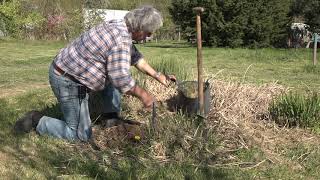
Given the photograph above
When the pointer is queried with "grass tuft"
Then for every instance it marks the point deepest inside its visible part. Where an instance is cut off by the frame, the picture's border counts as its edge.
(294, 109)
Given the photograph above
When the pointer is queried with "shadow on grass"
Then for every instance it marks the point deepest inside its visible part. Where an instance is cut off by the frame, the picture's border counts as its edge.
(42, 156)
(33, 156)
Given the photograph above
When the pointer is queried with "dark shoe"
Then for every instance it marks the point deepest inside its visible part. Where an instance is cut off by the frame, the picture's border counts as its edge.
(105, 116)
(111, 115)
(113, 119)
(111, 122)
(109, 119)
(29, 121)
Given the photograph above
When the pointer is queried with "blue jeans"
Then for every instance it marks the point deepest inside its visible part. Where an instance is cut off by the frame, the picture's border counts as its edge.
(73, 99)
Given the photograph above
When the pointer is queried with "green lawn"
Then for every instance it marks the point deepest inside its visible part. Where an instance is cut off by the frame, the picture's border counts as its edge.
(25, 62)
(24, 86)
(289, 67)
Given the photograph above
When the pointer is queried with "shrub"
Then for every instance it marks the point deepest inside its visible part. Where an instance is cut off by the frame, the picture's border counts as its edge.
(296, 110)
(73, 25)
(19, 19)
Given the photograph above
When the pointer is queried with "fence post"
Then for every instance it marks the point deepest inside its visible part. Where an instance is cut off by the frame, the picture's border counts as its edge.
(315, 49)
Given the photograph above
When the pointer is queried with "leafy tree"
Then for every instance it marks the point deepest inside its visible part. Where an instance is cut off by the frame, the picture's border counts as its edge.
(267, 23)
(183, 15)
(312, 15)
(281, 21)
(297, 7)
(19, 18)
(306, 11)
(233, 23)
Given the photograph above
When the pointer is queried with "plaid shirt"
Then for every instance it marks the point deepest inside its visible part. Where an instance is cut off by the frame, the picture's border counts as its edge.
(101, 56)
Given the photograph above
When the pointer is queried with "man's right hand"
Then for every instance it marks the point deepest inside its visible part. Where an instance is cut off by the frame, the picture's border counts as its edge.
(143, 95)
(147, 101)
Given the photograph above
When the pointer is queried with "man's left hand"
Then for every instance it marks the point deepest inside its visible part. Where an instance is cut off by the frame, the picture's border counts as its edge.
(166, 79)
(171, 78)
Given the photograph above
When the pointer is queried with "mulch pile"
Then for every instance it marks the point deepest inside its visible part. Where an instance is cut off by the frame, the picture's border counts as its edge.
(239, 118)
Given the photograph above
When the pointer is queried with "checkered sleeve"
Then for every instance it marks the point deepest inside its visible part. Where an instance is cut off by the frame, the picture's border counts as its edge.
(118, 67)
(136, 56)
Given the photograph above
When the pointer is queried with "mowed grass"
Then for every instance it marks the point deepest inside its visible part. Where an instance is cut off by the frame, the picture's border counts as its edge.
(289, 67)
(24, 86)
(24, 62)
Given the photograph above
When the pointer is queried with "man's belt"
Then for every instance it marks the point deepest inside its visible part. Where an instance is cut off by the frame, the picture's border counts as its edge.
(65, 74)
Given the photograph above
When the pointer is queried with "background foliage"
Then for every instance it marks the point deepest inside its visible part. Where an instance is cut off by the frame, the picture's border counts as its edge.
(18, 18)
(232, 23)
(226, 23)
(308, 11)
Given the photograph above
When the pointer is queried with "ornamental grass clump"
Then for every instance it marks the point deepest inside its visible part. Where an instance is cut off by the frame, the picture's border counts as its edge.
(293, 109)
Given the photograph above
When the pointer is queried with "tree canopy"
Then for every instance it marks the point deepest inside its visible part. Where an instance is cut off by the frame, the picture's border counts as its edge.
(232, 23)
(225, 23)
(307, 11)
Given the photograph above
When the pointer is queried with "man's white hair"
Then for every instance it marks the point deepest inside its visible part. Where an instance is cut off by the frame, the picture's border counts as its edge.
(146, 19)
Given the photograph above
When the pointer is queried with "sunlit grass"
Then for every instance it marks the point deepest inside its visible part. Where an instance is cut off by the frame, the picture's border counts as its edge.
(24, 66)
(285, 66)
(294, 110)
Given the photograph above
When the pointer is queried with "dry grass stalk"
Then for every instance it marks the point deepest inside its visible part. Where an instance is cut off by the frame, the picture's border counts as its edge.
(110, 137)
(234, 105)
(239, 116)
(158, 151)
(239, 113)
(117, 135)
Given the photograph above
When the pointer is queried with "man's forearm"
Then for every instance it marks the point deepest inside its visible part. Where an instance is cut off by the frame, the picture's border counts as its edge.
(136, 91)
(144, 67)
(141, 94)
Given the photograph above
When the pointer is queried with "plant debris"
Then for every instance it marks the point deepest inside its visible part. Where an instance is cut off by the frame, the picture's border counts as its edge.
(238, 117)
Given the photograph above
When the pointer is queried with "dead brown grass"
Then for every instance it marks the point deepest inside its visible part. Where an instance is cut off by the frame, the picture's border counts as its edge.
(236, 107)
(239, 116)
(115, 136)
